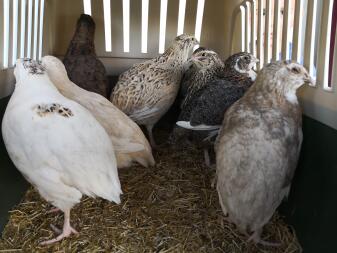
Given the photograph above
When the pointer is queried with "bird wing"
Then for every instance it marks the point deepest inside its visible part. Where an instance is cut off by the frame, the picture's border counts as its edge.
(212, 101)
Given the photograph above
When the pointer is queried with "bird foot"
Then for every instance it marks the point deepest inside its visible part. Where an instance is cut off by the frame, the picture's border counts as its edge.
(53, 210)
(213, 182)
(255, 237)
(67, 231)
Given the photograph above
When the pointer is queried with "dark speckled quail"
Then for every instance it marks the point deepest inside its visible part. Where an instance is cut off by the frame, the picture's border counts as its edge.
(258, 147)
(205, 109)
(82, 65)
(206, 106)
(206, 67)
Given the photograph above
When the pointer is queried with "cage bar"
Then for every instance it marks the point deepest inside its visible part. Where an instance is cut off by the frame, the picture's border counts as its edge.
(145, 24)
(181, 17)
(260, 34)
(162, 25)
(267, 33)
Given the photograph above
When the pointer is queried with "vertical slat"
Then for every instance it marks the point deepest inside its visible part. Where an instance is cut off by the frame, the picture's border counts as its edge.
(41, 29)
(162, 25)
(181, 17)
(285, 31)
(1, 33)
(260, 34)
(23, 29)
(243, 28)
(107, 24)
(298, 24)
(6, 33)
(267, 33)
(324, 53)
(310, 36)
(276, 30)
(253, 28)
(87, 7)
(145, 24)
(126, 25)
(15, 31)
(198, 21)
(29, 27)
(36, 22)
(247, 26)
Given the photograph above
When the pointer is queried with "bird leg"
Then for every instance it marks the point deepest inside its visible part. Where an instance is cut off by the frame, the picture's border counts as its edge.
(256, 238)
(208, 159)
(149, 131)
(66, 231)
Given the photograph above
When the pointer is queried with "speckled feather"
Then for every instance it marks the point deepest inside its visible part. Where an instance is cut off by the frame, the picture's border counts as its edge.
(201, 73)
(146, 91)
(258, 147)
(81, 62)
(210, 103)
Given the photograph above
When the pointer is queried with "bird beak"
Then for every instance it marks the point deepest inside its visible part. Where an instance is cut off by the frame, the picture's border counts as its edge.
(310, 81)
(256, 60)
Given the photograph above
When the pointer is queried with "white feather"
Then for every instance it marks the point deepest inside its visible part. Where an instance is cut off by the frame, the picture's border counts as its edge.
(187, 125)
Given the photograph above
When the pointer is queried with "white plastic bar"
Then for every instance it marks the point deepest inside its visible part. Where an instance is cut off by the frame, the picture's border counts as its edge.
(267, 33)
(253, 28)
(6, 33)
(298, 26)
(36, 22)
(260, 34)
(285, 30)
(326, 37)
(15, 31)
(310, 37)
(107, 24)
(181, 17)
(247, 26)
(198, 22)
(126, 25)
(276, 34)
(23, 28)
(162, 25)
(145, 25)
(243, 27)
(29, 27)
(41, 29)
(87, 7)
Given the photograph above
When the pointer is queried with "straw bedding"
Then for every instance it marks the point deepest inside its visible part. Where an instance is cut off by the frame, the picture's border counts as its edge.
(171, 207)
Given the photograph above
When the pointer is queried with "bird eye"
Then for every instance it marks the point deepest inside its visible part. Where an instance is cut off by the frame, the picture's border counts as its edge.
(203, 54)
(246, 58)
(295, 70)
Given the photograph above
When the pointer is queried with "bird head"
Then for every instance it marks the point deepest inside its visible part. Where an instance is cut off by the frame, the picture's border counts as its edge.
(55, 69)
(186, 40)
(284, 77)
(85, 27)
(206, 58)
(181, 48)
(293, 74)
(27, 67)
(242, 63)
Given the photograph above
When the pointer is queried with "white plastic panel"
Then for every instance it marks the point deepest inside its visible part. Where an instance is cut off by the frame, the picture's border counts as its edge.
(298, 30)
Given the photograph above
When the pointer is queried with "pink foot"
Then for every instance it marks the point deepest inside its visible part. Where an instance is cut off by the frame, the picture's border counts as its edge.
(255, 237)
(67, 230)
(66, 233)
(53, 210)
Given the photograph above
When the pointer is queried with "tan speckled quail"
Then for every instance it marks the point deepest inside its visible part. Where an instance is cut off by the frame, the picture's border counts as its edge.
(146, 91)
